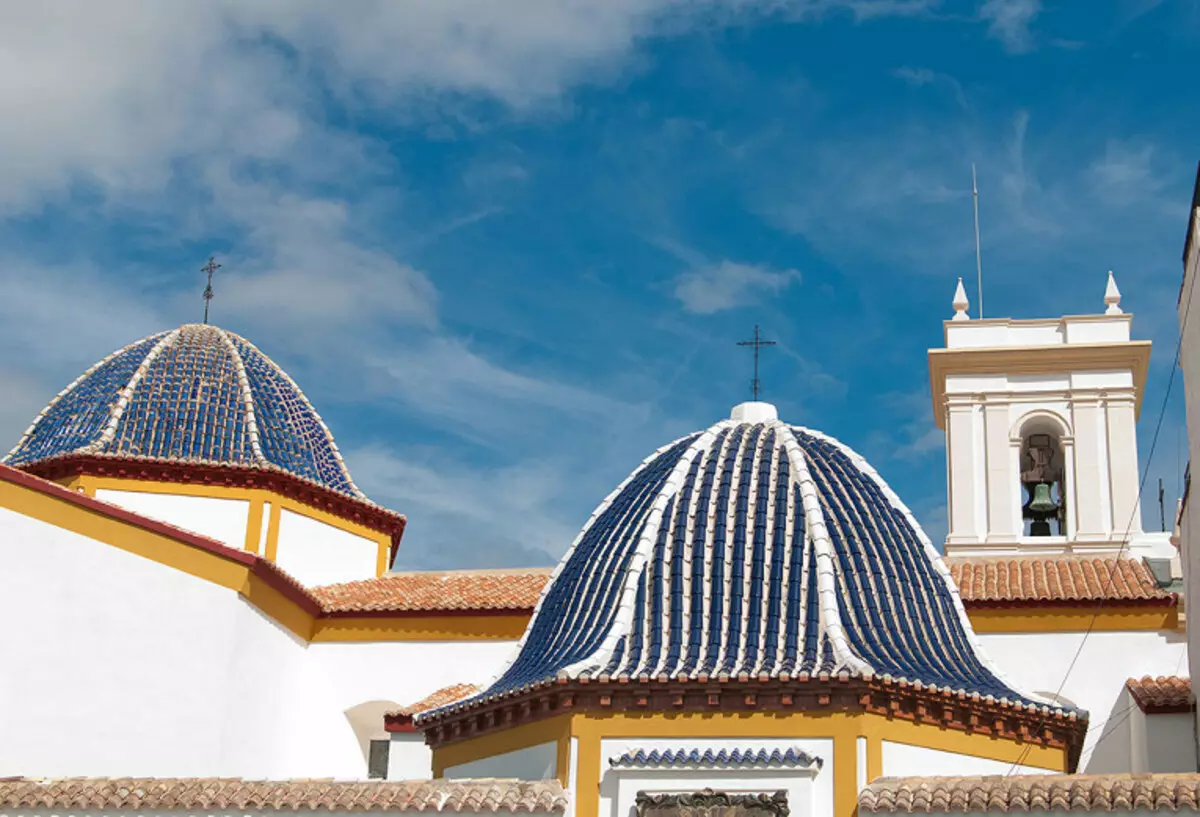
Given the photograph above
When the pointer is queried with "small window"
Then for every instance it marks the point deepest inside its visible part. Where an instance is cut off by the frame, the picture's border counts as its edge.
(377, 762)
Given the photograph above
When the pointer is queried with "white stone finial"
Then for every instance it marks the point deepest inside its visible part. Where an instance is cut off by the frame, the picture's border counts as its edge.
(961, 303)
(1112, 297)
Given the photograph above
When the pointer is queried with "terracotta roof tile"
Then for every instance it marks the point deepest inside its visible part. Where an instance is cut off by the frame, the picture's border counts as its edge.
(441, 697)
(1025, 793)
(516, 590)
(1054, 579)
(211, 795)
(1162, 694)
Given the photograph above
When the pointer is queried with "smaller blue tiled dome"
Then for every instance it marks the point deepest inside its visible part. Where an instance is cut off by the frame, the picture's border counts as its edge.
(197, 394)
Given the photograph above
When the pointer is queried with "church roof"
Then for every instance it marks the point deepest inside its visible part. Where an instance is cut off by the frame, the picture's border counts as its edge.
(790, 757)
(753, 550)
(501, 591)
(1055, 580)
(198, 395)
(1162, 695)
(1032, 793)
(214, 795)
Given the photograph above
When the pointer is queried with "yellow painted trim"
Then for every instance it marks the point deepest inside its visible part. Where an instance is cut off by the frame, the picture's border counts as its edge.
(420, 628)
(278, 606)
(381, 557)
(150, 545)
(1067, 357)
(272, 545)
(874, 759)
(1109, 618)
(841, 727)
(551, 730)
(254, 524)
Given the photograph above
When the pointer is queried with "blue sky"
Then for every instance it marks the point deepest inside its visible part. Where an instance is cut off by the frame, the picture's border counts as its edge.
(508, 249)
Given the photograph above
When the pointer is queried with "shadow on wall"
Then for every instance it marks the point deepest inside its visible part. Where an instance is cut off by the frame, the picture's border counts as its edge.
(1111, 751)
(366, 719)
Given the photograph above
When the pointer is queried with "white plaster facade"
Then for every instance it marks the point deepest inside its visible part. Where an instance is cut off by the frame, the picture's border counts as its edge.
(222, 519)
(810, 789)
(317, 553)
(903, 760)
(312, 551)
(1078, 379)
(125, 667)
(1095, 682)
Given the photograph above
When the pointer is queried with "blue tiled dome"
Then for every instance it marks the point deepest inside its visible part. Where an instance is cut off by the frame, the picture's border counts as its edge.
(754, 549)
(197, 394)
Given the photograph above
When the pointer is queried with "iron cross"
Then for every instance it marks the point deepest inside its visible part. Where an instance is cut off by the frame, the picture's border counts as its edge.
(757, 343)
(211, 267)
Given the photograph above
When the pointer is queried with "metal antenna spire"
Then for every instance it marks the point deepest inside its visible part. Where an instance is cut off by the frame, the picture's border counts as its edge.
(757, 343)
(211, 267)
(978, 259)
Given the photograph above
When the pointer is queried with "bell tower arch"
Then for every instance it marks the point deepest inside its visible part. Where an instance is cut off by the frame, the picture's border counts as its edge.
(1040, 421)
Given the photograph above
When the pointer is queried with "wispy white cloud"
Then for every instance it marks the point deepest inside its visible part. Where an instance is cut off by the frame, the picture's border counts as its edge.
(1009, 21)
(922, 77)
(465, 515)
(727, 284)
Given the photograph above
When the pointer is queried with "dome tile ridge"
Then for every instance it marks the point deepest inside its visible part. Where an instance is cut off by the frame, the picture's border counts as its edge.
(209, 416)
(70, 388)
(485, 693)
(936, 558)
(616, 653)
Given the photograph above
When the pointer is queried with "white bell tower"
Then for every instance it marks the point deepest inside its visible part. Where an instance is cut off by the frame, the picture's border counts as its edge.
(1040, 420)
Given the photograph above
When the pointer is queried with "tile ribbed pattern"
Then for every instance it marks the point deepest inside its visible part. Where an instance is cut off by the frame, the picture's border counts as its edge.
(197, 394)
(212, 796)
(1032, 793)
(752, 550)
(1164, 694)
(724, 758)
(515, 590)
(1054, 579)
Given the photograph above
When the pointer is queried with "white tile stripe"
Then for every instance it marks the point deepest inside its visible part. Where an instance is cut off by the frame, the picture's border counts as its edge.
(42, 414)
(627, 597)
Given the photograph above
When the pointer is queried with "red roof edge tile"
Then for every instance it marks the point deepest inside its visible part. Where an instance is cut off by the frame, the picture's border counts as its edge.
(1163, 695)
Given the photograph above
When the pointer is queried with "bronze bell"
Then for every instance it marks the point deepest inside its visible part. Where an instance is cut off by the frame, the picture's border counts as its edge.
(1042, 504)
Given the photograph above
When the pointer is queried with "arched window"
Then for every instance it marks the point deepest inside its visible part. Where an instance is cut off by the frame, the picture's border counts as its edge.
(1043, 494)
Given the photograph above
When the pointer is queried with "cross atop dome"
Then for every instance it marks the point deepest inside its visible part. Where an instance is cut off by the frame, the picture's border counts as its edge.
(756, 344)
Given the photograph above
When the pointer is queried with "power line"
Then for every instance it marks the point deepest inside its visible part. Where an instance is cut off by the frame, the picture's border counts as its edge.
(1128, 526)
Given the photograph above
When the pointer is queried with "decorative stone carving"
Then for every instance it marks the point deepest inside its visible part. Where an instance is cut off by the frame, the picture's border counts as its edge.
(709, 803)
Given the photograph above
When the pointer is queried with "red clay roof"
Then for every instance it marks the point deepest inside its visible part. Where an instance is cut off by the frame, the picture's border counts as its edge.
(441, 697)
(1034, 580)
(1162, 694)
(208, 795)
(455, 590)
(1026, 793)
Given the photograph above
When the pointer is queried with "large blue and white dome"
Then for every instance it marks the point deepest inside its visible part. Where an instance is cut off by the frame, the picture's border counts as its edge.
(197, 394)
(754, 550)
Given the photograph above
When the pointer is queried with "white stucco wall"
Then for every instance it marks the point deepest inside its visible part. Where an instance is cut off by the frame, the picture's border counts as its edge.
(814, 793)
(1162, 742)
(221, 519)
(317, 553)
(1038, 662)
(122, 666)
(902, 760)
